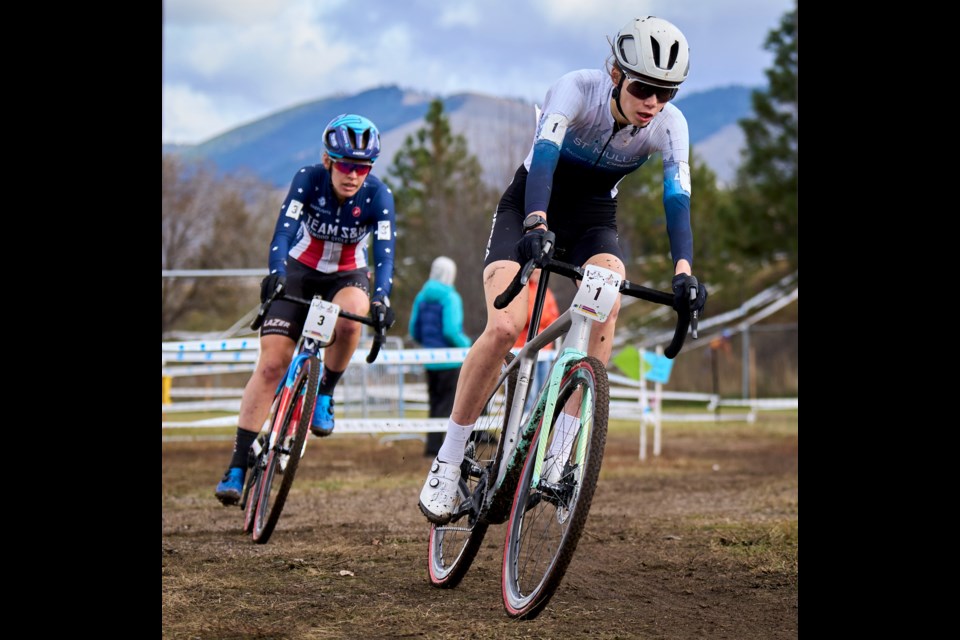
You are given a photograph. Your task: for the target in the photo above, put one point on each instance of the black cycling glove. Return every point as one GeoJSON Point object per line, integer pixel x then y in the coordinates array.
{"type": "Point", "coordinates": [269, 284]}
{"type": "Point", "coordinates": [380, 305]}
{"type": "Point", "coordinates": [682, 284]}
{"type": "Point", "coordinates": [530, 246]}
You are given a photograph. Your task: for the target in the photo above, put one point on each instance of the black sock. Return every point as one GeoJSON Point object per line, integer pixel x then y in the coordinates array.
{"type": "Point", "coordinates": [329, 381]}
{"type": "Point", "coordinates": [241, 447]}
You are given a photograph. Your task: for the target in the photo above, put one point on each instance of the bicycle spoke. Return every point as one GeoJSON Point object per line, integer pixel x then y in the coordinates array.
{"type": "Point", "coordinates": [453, 548]}
{"type": "Point", "coordinates": [290, 430]}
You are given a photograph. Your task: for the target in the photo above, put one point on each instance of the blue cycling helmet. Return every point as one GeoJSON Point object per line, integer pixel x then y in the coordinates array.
{"type": "Point", "coordinates": [352, 137]}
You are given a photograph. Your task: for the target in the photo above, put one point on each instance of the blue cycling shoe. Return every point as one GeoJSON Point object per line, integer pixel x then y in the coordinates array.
{"type": "Point", "coordinates": [229, 489]}
{"type": "Point", "coordinates": [322, 424]}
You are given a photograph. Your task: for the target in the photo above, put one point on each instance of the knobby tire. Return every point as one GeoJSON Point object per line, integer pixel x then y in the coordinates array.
{"type": "Point", "coordinates": [304, 398]}
{"type": "Point", "coordinates": [547, 520]}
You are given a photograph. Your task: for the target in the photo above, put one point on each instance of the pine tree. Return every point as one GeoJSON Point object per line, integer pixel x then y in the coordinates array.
{"type": "Point", "coordinates": [642, 225]}
{"type": "Point", "coordinates": [767, 213]}
{"type": "Point", "coordinates": [443, 208]}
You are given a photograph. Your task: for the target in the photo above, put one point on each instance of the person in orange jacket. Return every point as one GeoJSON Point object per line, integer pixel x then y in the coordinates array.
{"type": "Point", "coordinates": [549, 314]}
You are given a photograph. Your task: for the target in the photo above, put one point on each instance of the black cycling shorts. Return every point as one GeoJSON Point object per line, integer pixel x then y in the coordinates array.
{"type": "Point", "coordinates": [585, 225]}
{"type": "Point", "coordinates": [286, 318]}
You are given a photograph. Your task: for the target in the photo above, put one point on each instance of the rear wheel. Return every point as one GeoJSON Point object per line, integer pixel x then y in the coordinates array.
{"type": "Point", "coordinates": [453, 546]}
{"type": "Point", "coordinates": [549, 512]}
{"type": "Point", "coordinates": [291, 424]}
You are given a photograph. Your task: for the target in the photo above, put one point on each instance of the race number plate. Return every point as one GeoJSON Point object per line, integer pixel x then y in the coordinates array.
{"type": "Point", "coordinates": [320, 320]}
{"type": "Point", "coordinates": [597, 294]}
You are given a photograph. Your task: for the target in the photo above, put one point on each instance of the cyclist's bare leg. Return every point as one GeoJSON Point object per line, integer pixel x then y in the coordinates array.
{"type": "Point", "coordinates": [478, 376]}
{"type": "Point", "coordinates": [337, 356]}
{"type": "Point", "coordinates": [482, 365]}
{"type": "Point", "coordinates": [276, 351]}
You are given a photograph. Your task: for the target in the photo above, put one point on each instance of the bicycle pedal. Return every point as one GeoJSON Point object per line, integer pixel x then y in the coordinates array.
{"type": "Point", "coordinates": [474, 471]}
{"type": "Point", "coordinates": [467, 467]}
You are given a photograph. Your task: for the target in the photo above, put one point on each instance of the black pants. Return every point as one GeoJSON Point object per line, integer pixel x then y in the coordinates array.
{"type": "Point", "coordinates": [442, 388]}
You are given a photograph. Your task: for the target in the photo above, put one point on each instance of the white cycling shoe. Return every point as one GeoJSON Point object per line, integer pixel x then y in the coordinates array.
{"type": "Point", "coordinates": [440, 492]}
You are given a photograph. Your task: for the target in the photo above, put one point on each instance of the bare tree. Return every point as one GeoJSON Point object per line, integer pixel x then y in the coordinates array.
{"type": "Point", "coordinates": [210, 222]}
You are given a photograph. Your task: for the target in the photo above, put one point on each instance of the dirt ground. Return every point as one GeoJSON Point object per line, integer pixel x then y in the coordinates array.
{"type": "Point", "coordinates": [699, 543]}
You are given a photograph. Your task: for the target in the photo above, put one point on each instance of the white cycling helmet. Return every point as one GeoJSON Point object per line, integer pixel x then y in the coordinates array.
{"type": "Point", "coordinates": [654, 51]}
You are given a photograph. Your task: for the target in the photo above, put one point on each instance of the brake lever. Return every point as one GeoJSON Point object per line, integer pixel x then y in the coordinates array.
{"type": "Point", "coordinates": [694, 315]}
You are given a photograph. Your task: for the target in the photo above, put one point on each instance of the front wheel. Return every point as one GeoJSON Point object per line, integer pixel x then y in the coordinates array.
{"type": "Point", "coordinates": [453, 546]}
{"type": "Point", "coordinates": [554, 494]}
{"type": "Point", "coordinates": [251, 489]}
{"type": "Point", "coordinates": [289, 432]}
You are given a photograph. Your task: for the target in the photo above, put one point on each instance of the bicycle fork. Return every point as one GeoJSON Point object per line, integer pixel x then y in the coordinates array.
{"type": "Point", "coordinates": [574, 348]}
{"type": "Point", "coordinates": [283, 441]}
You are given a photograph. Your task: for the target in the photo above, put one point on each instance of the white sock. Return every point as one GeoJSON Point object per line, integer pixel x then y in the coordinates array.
{"type": "Point", "coordinates": [454, 444]}
{"type": "Point", "coordinates": [566, 428]}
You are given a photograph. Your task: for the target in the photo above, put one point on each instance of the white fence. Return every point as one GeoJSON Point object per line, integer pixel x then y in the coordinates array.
{"type": "Point", "coordinates": [394, 385]}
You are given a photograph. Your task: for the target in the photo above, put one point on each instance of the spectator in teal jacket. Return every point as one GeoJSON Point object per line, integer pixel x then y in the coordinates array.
{"type": "Point", "coordinates": [436, 322]}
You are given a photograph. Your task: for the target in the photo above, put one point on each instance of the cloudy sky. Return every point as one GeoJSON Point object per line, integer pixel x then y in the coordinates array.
{"type": "Point", "coordinates": [227, 62]}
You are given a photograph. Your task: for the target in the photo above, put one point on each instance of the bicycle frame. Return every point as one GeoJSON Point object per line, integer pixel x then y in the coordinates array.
{"type": "Point", "coordinates": [282, 401]}
{"type": "Point", "coordinates": [575, 328]}
{"type": "Point", "coordinates": [291, 412]}
{"type": "Point", "coordinates": [305, 349]}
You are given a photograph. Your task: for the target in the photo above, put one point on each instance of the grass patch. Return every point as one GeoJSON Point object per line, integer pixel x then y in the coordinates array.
{"type": "Point", "coordinates": [767, 547]}
{"type": "Point", "coordinates": [782, 424]}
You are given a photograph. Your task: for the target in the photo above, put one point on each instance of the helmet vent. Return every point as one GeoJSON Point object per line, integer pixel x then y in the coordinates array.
{"type": "Point", "coordinates": [674, 53]}
{"type": "Point", "coordinates": [628, 53]}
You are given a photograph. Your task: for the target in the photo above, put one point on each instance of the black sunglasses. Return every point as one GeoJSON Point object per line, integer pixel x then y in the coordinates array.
{"type": "Point", "coordinates": [642, 90]}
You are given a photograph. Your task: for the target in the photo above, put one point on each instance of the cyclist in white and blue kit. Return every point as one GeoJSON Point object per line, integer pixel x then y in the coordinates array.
{"type": "Point", "coordinates": [319, 247]}
{"type": "Point", "coordinates": [596, 126]}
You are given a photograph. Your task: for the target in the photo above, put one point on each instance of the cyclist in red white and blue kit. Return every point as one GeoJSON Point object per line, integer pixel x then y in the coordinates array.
{"type": "Point", "coordinates": [596, 126]}
{"type": "Point", "coordinates": [319, 247]}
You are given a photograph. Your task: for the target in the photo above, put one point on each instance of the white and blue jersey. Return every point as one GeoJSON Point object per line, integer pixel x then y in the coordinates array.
{"type": "Point", "coordinates": [580, 154]}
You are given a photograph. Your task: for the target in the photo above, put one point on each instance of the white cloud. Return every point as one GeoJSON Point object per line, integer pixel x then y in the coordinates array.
{"type": "Point", "coordinates": [189, 115]}
{"type": "Point", "coordinates": [597, 17]}
{"type": "Point", "coordinates": [287, 60]}
{"type": "Point", "coordinates": [610, 15]}
{"type": "Point", "coordinates": [465, 15]}
{"type": "Point", "coordinates": [221, 12]}
{"type": "Point", "coordinates": [229, 61]}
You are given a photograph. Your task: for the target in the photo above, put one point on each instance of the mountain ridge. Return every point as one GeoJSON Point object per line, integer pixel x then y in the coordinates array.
{"type": "Point", "coordinates": [498, 130]}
